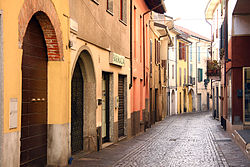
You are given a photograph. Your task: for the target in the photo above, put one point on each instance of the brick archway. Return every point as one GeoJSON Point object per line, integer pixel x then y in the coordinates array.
{"type": "Point", "coordinates": [45, 13]}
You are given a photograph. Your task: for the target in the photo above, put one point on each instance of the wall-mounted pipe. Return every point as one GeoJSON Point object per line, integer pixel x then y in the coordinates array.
{"type": "Point", "coordinates": [131, 45]}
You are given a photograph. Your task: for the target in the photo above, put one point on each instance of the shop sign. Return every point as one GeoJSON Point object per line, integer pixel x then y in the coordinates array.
{"type": "Point", "coordinates": [116, 59]}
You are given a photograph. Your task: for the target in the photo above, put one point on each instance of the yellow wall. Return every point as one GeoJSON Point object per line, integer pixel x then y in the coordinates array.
{"type": "Point", "coordinates": [183, 65]}
{"type": "Point", "coordinates": [58, 98]}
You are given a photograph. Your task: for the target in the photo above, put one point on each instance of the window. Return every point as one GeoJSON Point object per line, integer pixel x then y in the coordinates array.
{"type": "Point", "coordinates": [123, 11]}
{"type": "Point", "coordinates": [172, 71]}
{"type": "Point", "coordinates": [191, 70]}
{"type": "Point", "coordinates": [180, 76]}
{"type": "Point", "coordinates": [151, 47]}
{"type": "Point", "coordinates": [199, 54]}
{"type": "Point", "coordinates": [200, 73]}
{"type": "Point", "coordinates": [185, 75]}
{"type": "Point", "coordinates": [140, 39]}
{"type": "Point", "coordinates": [110, 5]}
{"type": "Point", "coordinates": [190, 53]}
{"type": "Point", "coordinates": [173, 42]}
{"type": "Point", "coordinates": [157, 51]}
{"type": "Point", "coordinates": [182, 51]}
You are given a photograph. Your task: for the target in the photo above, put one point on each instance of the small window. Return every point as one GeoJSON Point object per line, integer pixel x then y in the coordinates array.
{"type": "Point", "coordinates": [199, 54]}
{"type": "Point", "coordinates": [190, 53]}
{"type": "Point", "coordinates": [172, 71]}
{"type": "Point", "coordinates": [191, 70]}
{"type": "Point", "coordinates": [200, 74]}
{"type": "Point", "coordinates": [110, 5]}
{"type": "Point", "coordinates": [180, 76]}
{"type": "Point", "coordinates": [185, 75]}
{"type": "Point", "coordinates": [123, 11]}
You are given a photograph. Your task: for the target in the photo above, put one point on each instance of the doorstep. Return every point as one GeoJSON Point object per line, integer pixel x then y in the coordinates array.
{"type": "Point", "coordinates": [242, 137]}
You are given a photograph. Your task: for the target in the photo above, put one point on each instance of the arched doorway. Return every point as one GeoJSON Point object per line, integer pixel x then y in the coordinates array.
{"type": "Point", "coordinates": [77, 110]}
{"type": "Point", "coordinates": [173, 109]}
{"type": "Point", "coordinates": [83, 103]}
{"type": "Point", "coordinates": [34, 97]}
{"type": "Point", "coordinates": [191, 101]}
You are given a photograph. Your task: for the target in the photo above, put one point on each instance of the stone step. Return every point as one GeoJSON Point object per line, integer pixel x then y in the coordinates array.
{"type": "Point", "coordinates": [242, 138]}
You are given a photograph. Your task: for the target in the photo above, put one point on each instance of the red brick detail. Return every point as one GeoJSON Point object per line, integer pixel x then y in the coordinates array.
{"type": "Point", "coordinates": [46, 14]}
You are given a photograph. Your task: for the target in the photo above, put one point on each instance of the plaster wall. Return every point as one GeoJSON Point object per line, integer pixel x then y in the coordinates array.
{"type": "Point", "coordinates": [58, 99]}
{"type": "Point", "coordinates": [1, 86]}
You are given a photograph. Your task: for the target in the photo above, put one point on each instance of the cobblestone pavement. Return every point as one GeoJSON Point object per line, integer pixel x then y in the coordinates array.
{"type": "Point", "coordinates": [193, 139]}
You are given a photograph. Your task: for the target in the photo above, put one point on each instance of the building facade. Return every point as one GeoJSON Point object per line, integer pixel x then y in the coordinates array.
{"type": "Point", "coordinates": [100, 73]}
{"type": "Point", "coordinates": [159, 41]}
{"type": "Point", "coordinates": [140, 62]}
{"type": "Point", "coordinates": [34, 83]}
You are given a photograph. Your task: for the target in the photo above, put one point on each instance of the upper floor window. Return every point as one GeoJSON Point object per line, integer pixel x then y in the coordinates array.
{"type": "Point", "coordinates": [200, 74]}
{"type": "Point", "coordinates": [123, 10]}
{"type": "Point", "coordinates": [110, 5]}
{"type": "Point", "coordinates": [180, 76]}
{"type": "Point", "coordinates": [190, 53]}
{"type": "Point", "coordinates": [199, 54]}
{"type": "Point", "coordinates": [172, 71]}
{"type": "Point", "coordinates": [185, 75]}
{"type": "Point", "coordinates": [182, 51]}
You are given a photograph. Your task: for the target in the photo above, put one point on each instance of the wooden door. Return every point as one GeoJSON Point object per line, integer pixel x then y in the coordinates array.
{"type": "Point", "coordinates": [77, 110]}
{"type": "Point", "coordinates": [34, 97]}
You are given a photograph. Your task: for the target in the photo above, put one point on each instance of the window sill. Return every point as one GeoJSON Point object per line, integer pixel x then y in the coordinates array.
{"type": "Point", "coordinates": [123, 22]}
{"type": "Point", "coordinates": [96, 2]}
{"type": "Point", "coordinates": [111, 13]}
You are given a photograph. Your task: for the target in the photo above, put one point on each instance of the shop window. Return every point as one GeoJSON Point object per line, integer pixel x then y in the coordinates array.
{"type": "Point", "coordinates": [229, 96]}
{"type": "Point", "coordinates": [246, 95]}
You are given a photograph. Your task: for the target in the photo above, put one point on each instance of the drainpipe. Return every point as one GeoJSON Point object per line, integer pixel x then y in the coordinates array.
{"type": "Point", "coordinates": [144, 47]}
{"type": "Point", "coordinates": [211, 49]}
{"type": "Point", "coordinates": [131, 46]}
{"type": "Point", "coordinates": [226, 43]}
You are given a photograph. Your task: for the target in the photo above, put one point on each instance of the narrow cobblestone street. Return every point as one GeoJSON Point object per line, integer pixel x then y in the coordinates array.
{"type": "Point", "coordinates": [193, 139]}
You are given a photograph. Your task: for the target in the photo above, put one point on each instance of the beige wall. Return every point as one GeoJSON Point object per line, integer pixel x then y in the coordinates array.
{"type": "Point", "coordinates": [102, 28]}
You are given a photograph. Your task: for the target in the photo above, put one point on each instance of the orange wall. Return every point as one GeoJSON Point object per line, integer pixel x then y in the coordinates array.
{"type": "Point", "coordinates": [139, 90]}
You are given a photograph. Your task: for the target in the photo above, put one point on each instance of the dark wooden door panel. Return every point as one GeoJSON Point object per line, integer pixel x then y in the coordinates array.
{"type": "Point", "coordinates": [34, 97]}
{"type": "Point", "coordinates": [77, 110]}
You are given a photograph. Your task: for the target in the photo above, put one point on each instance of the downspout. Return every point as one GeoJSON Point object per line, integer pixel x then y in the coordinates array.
{"type": "Point", "coordinates": [226, 43]}
{"type": "Point", "coordinates": [144, 51]}
{"type": "Point", "coordinates": [211, 49]}
{"type": "Point", "coordinates": [131, 46]}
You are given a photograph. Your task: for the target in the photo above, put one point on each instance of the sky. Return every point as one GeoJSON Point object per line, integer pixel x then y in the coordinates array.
{"type": "Point", "coordinates": [191, 14]}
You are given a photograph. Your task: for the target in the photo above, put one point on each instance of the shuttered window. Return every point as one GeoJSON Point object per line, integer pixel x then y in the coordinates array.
{"type": "Point", "coordinates": [157, 52]}
{"type": "Point", "coordinates": [182, 51]}
{"type": "Point", "coordinates": [200, 75]}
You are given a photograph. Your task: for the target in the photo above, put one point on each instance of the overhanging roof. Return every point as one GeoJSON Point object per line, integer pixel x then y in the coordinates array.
{"type": "Point", "coordinates": [211, 6]}
{"type": "Point", "coordinates": [154, 3]}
